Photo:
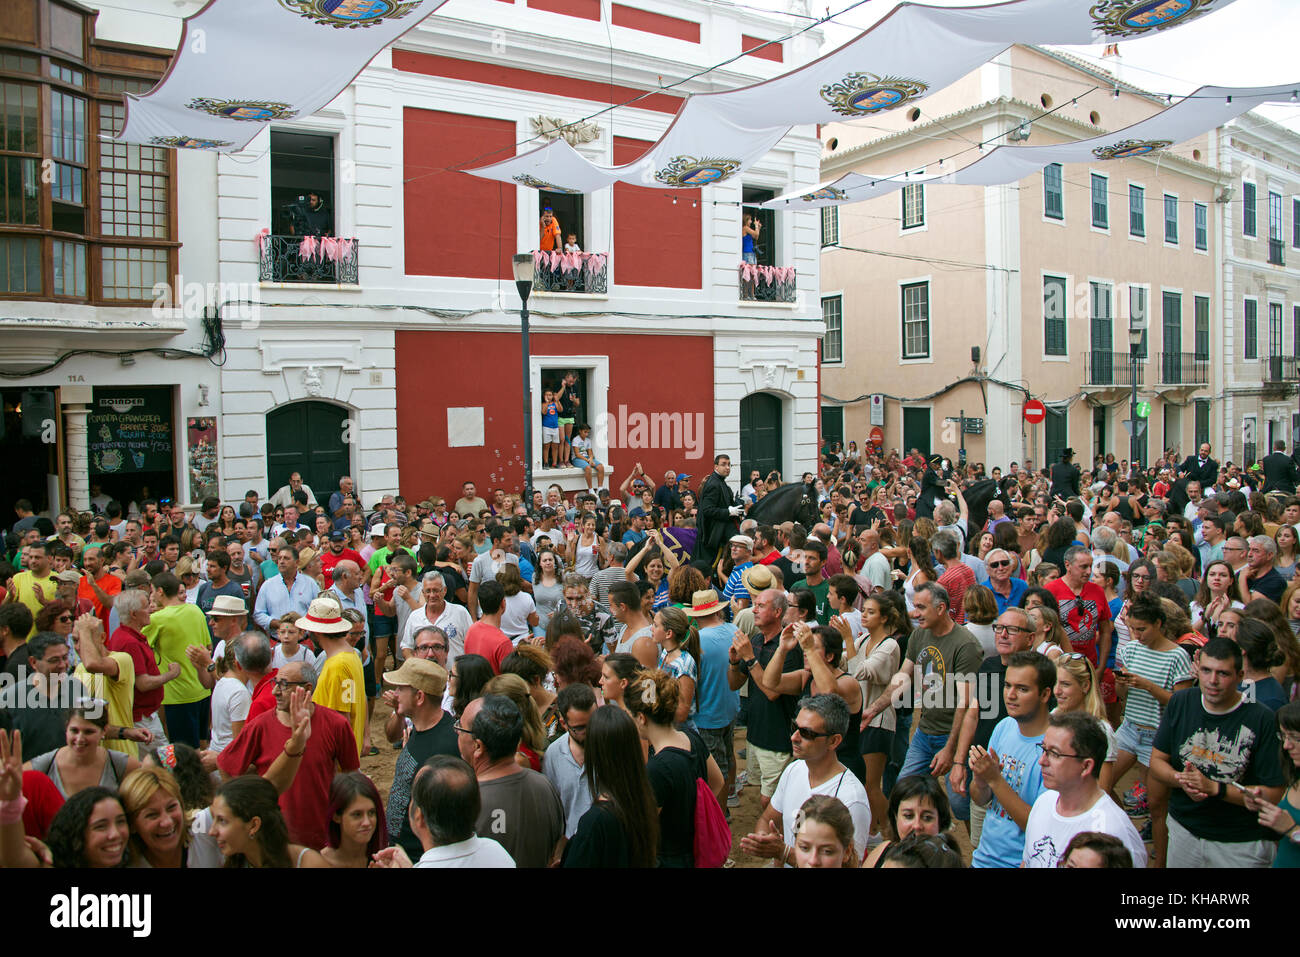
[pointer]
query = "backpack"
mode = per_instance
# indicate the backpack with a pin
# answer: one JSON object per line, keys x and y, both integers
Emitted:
{"x": 712, "y": 833}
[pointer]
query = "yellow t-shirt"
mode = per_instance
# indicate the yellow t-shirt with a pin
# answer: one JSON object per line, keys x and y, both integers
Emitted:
{"x": 23, "y": 583}
{"x": 119, "y": 692}
{"x": 342, "y": 687}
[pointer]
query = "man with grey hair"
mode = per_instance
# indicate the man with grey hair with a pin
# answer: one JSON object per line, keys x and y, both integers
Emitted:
{"x": 818, "y": 729}
{"x": 615, "y": 572}
{"x": 134, "y": 608}
{"x": 297, "y": 747}
{"x": 957, "y": 576}
{"x": 453, "y": 619}
{"x": 1235, "y": 553}
{"x": 1084, "y": 610}
{"x": 1104, "y": 539}
{"x": 1115, "y": 522}
{"x": 1007, "y": 588}
{"x": 938, "y": 674}
{"x": 1262, "y": 579}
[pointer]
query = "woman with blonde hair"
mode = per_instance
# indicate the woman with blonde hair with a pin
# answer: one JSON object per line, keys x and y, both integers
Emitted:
{"x": 679, "y": 655}
{"x": 535, "y": 666}
{"x": 1077, "y": 689}
{"x": 1049, "y": 634}
{"x": 160, "y": 826}
{"x": 532, "y": 742}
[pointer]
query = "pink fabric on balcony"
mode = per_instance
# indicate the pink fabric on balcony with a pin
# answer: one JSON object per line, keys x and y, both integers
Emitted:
{"x": 767, "y": 275}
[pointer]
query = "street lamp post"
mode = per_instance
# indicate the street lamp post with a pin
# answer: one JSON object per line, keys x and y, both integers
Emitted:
{"x": 523, "y": 269}
{"x": 1134, "y": 343}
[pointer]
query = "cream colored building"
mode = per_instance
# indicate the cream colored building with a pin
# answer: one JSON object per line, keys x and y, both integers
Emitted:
{"x": 1042, "y": 276}
{"x": 1260, "y": 244}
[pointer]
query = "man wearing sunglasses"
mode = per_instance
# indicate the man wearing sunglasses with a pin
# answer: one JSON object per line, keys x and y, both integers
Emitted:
{"x": 817, "y": 731}
{"x": 1007, "y": 589}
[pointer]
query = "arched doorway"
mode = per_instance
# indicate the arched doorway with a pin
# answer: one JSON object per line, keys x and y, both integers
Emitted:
{"x": 760, "y": 435}
{"x": 308, "y": 438}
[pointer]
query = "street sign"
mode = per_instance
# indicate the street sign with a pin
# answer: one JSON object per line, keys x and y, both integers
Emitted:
{"x": 1128, "y": 426}
{"x": 878, "y": 410}
{"x": 1143, "y": 410}
{"x": 876, "y": 437}
{"x": 1035, "y": 411}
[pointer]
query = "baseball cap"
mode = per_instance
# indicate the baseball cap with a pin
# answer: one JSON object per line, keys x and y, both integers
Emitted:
{"x": 743, "y": 540}
{"x": 338, "y": 536}
{"x": 637, "y": 512}
{"x": 682, "y": 476}
{"x": 547, "y": 512}
{"x": 68, "y": 576}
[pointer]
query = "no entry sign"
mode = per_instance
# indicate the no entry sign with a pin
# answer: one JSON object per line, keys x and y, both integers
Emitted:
{"x": 877, "y": 436}
{"x": 1035, "y": 411}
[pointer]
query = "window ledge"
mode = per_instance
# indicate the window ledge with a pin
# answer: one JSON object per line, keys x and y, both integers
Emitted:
{"x": 337, "y": 287}
{"x": 579, "y": 296}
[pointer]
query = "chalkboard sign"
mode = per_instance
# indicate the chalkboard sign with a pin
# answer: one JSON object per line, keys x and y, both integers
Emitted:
{"x": 131, "y": 430}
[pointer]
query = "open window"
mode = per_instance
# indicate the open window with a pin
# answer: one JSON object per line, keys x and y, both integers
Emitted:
{"x": 765, "y": 247}
{"x": 569, "y": 212}
{"x": 303, "y": 205}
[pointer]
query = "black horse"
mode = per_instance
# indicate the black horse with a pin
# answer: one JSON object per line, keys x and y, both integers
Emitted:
{"x": 793, "y": 502}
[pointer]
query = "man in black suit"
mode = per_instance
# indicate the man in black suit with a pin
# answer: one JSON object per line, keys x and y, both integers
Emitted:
{"x": 1200, "y": 467}
{"x": 1065, "y": 476}
{"x": 933, "y": 487}
{"x": 1280, "y": 472}
{"x": 719, "y": 512}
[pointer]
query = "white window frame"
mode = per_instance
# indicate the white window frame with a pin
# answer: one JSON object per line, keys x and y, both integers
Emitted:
{"x": 928, "y": 358}
{"x": 1052, "y": 219}
{"x": 833, "y": 363}
{"x": 598, "y": 382}
{"x": 1164, "y": 221}
{"x": 834, "y": 215}
{"x": 1129, "y": 210}
{"x": 1105, "y": 178}
{"x": 923, "y": 225}
{"x": 1045, "y": 275}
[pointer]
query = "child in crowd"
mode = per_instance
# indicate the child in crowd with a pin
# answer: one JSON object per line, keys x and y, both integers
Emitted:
{"x": 550, "y": 430}
{"x": 586, "y": 459}
{"x": 291, "y": 646}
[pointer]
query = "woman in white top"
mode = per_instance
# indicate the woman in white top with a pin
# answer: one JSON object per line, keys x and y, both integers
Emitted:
{"x": 1076, "y": 690}
{"x": 922, "y": 570}
{"x": 519, "y": 613}
{"x": 230, "y": 700}
{"x": 873, "y": 662}
{"x": 981, "y": 608}
{"x": 1049, "y": 634}
{"x": 1220, "y": 590}
{"x": 584, "y": 549}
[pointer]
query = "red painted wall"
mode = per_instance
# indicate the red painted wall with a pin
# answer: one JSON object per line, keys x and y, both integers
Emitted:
{"x": 515, "y": 79}
{"x": 647, "y": 374}
{"x": 648, "y": 22}
{"x": 453, "y": 227}
{"x": 656, "y": 243}
{"x": 773, "y": 52}
{"x": 586, "y": 9}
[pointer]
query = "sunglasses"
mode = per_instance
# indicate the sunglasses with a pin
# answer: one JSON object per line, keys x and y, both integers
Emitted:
{"x": 808, "y": 734}
{"x": 1001, "y": 564}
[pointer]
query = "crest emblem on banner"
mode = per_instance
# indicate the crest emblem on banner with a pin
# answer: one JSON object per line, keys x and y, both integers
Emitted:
{"x": 826, "y": 192}
{"x": 861, "y": 94}
{"x": 350, "y": 13}
{"x": 251, "y": 111}
{"x": 1127, "y": 149}
{"x": 526, "y": 180}
{"x": 688, "y": 172}
{"x": 188, "y": 142}
{"x": 1133, "y": 18}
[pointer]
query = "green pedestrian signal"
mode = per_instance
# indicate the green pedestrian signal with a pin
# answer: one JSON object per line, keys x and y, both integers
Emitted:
{"x": 1144, "y": 410}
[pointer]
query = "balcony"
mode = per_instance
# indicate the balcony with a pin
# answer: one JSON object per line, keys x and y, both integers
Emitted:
{"x": 573, "y": 273}
{"x": 767, "y": 283}
{"x": 1281, "y": 369}
{"x": 314, "y": 259}
{"x": 1111, "y": 368}
{"x": 1275, "y": 256}
{"x": 1184, "y": 368}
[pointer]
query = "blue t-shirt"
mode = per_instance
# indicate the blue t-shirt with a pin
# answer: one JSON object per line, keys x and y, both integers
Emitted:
{"x": 683, "y": 666}
{"x": 717, "y": 704}
{"x": 550, "y": 416}
{"x": 1018, "y": 588}
{"x": 633, "y": 537}
{"x": 661, "y": 594}
{"x": 1002, "y": 842}
{"x": 1115, "y": 605}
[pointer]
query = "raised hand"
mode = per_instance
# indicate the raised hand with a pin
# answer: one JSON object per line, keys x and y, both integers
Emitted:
{"x": 11, "y": 766}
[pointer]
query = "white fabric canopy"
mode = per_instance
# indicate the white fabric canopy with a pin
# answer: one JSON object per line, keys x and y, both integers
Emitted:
{"x": 912, "y": 52}
{"x": 244, "y": 63}
{"x": 1205, "y": 109}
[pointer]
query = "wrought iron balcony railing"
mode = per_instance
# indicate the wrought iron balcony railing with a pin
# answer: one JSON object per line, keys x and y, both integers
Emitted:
{"x": 571, "y": 272}
{"x": 1184, "y": 368}
{"x": 1111, "y": 368}
{"x": 323, "y": 259}
{"x": 767, "y": 283}
{"x": 1282, "y": 368}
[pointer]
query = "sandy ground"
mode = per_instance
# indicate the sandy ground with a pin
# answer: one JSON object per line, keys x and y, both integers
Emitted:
{"x": 380, "y": 769}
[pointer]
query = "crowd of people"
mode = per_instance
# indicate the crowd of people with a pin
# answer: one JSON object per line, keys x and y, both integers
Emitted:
{"x": 930, "y": 667}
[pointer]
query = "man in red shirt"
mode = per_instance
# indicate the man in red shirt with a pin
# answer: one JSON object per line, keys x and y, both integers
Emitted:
{"x": 765, "y": 550}
{"x": 134, "y": 608}
{"x": 1085, "y": 612}
{"x": 98, "y": 586}
{"x": 303, "y": 771}
{"x": 485, "y": 636}
{"x": 957, "y": 576}
{"x": 335, "y": 553}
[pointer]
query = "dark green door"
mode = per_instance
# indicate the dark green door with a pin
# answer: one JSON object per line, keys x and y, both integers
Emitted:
{"x": 760, "y": 434}
{"x": 916, "y": 431}
{"x": 833, "y": 425}
{"x": 308, "y": 438}
{"x": 1056, "y": 429}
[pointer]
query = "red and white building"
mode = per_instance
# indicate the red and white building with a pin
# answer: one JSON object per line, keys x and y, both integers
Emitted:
{"x": 400, "y": 364}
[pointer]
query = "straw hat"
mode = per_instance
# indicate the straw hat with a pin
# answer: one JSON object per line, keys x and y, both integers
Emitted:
{"x": 228, "y": 606}
{"x": 704, "y": 603}
{"x": 324, "y": 617}
{"x": 757, "y": 578}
